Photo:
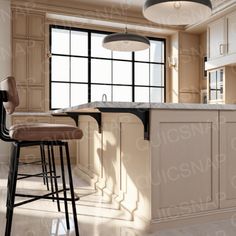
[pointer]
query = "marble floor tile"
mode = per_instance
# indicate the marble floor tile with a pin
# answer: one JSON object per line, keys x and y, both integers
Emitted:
{"x": 96, "y": 216}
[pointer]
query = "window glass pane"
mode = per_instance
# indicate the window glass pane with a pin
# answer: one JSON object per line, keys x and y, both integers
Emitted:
{"x": 60, "y": 95}
{"x": 157, "y": 75}
{"x": 101, "y": 71}
{"x": 60, "y": 41}
{"x": 141, "y": 94}
{"x": 97, "y": 50}
{"x": 122, "y": 72}
{"x": 213, "y": 80}
{"x": 79, "y": 69}
{"x": 122, "y": 93}
{"x": 142, "y": 55}
{"x": 157, "y": 51}
{"x": 141, "y": 73}
{"x": 60, "y": 68}
{"x": 79, "y": 94}
{"x": 122, "y": 55}
{"x": 157, "y": 94}
{"x": 97, "y": 92}
{"x": 79, "y": 43}
{"x": 213, "y": 95}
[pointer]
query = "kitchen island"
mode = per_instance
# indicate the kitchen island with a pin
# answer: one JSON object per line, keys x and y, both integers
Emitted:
{"x": 164, "y": 164}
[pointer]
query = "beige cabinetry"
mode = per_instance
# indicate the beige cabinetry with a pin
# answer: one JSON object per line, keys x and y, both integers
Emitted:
{"x": 31, "y": 153}
{"x": 221, "y": 42}
{"x": 184, "y": 148}
{"x": 29, "y": 59}
{"x": 227, "y": 159}
{"x": 186, "y": 73}
{"x": 221, "y": 85}
{"x": 217, "y": 39}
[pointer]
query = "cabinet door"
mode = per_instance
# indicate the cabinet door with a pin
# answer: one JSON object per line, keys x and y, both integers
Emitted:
{"x": 184, "y": 152}
{"x": 22, "y": 91}
{"x": 20, "y": 51}
{"x": 36, "y": 63}
{"x": 231, "y": 22}
{"x": 36, "y": 26}
{"x": 228, "y": 160}
{"x": 36, "y": 99}
{"x": 19, "y": 24}
{"x": 216, "y": 39}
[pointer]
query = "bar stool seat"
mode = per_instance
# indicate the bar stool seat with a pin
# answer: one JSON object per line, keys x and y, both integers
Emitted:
{"x": 44, "y": 132}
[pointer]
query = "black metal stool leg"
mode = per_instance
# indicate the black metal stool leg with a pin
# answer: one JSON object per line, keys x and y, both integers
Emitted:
{"x": 55, "y": 177}
{"x": 12, "y": 187}
{"x": 64, "y": 187}
{"x": 50, "y": 170}
{"x": 44, "y": 165}
{"x": 72, "y": 190}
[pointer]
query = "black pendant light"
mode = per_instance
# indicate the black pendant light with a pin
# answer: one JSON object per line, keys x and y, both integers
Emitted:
{"x": 126, "y": 42}
{"x": 171, "y": 12}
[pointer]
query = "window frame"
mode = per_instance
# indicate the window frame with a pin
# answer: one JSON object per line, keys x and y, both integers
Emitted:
{"x": 89, "y": 57}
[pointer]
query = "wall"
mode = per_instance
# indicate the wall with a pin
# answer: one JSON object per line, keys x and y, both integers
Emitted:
{"x": 5, "y": 57}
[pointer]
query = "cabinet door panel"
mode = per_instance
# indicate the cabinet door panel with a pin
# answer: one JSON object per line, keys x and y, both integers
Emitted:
{"x": 36, "y": 26}
{"x": 36, "y": 98}
{"x": 22, "y": 91}
{"x": 228, "y": 160}
{"x": 184, "y": 162}
{"x": 19, "y": 24}
{"x": 231, "y": 21}
{"x": 36, "y": 62}
{"x": 216, "y": 38}
{"x": 20, "y": 48}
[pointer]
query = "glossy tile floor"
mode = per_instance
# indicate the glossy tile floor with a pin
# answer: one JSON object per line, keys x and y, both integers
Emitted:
{"x": 97, "y": 217}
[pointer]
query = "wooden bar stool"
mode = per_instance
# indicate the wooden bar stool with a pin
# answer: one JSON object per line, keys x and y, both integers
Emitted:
{"x": 50, "y": 135}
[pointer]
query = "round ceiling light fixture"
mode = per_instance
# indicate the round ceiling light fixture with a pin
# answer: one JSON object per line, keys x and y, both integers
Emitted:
{"x": 169, "y": 12}
{"x": 125, "y": 42}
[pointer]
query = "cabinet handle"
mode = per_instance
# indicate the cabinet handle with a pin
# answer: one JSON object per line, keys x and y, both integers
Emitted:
{"x": 221, "y": 49}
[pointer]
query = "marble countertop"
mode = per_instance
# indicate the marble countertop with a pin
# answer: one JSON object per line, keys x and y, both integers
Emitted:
{"x": 94, "y": 106}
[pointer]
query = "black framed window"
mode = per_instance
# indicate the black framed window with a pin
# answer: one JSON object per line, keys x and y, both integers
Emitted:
{"x": 216, "y": 84}
{"x": 81, "y": 70}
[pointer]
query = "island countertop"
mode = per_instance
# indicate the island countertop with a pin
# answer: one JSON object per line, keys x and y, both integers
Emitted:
{"x": 95, "y": 106}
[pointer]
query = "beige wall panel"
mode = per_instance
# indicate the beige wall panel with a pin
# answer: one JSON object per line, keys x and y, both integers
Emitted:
{"x": 228, "y": 160}
{"x": 189, "y": 98}
{"x": 36, "y": 62}
{"x": 189, "y": 73}
{"x": 20, "y": 48}
{"x": 83, "y": 146}
{"x": 36, "y": 26}
{"x": 189, "y": 44}
{"x": 111, "y": 155}
{"x": 184, "y": 159}
{"x": 135, "y": 168}
{"x": 19, "y": 24}
{"x": 22, "y": 91}
{"x": 95, "y": 149}
{"x": 36, "y": 99}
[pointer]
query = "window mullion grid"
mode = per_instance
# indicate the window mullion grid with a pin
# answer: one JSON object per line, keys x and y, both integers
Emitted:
{"x": 133, "y": 77}
{"x": 70, "y": 94}
{"x": 112, "y": 70}
{"x": 89, "y": 66}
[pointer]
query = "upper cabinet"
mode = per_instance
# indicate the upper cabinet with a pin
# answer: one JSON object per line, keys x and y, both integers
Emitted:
{"x": 231, "y": 33}
{"x": 221, "y": 42}
{"x": 217, "y": 39}
{"x": 28, "y": 25}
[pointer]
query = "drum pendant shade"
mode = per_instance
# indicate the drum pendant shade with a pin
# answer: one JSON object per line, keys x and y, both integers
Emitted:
{"x": 177, "y": 12}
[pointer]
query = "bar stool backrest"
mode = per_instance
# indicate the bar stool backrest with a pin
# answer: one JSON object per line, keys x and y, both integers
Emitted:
{"x": 9, "y": 100}
{"x": 12, "y": 99}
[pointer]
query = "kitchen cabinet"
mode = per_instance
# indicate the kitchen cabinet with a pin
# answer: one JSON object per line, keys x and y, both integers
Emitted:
{"x": 227, "y": 159}
{"x": 221, "y": 85}
{"x": 221, "y": 42}
{"x": 29, "y": 59}
{"x": 217, "y": 39}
